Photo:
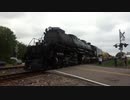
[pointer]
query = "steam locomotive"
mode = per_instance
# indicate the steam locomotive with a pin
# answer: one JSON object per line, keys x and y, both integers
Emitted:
{"x": 58, "y": 49}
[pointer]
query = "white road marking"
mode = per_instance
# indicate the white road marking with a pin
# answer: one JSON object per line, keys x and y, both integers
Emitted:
{"x": 99, "y": 83}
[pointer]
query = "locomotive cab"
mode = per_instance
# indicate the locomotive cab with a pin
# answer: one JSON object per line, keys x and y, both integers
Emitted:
{"x": 35, "y": 57}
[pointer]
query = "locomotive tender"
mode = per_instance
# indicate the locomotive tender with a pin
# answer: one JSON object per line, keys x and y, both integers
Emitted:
{"x": 59, "y": 49}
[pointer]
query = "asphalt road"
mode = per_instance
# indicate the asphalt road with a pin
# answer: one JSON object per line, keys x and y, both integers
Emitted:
{"x": 110, "y": 76}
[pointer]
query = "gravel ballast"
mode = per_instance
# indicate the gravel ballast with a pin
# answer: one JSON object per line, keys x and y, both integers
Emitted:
{"x": 48, "y": 79}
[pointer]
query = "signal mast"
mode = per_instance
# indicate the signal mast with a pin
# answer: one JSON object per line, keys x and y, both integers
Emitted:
{"x": 120, "y": 45}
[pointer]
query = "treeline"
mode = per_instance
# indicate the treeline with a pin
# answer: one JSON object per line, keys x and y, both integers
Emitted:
{"x": 9, "y": 46}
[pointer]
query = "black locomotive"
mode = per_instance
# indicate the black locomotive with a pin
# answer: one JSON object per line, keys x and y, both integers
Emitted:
{"x": 58, "y": 49}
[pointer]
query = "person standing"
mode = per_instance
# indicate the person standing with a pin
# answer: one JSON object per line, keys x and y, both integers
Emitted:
{"x": 100, "y": 59}
{"x": 125, "y": 61}
{"x": 115, "y": 59}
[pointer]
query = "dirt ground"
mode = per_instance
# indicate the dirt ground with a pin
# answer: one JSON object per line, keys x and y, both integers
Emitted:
{"x": 49, "y": 79}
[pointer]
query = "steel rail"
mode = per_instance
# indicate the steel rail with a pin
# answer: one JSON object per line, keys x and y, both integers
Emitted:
{"x": 19, "y": 75}
{"x": 15, "y": 67}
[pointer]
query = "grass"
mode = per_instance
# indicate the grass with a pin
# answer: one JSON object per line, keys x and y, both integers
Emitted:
{"x": 128, "y": 62}
{"x": 111, "y": 63}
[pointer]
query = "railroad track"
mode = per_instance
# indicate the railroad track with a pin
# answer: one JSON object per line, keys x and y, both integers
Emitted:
{"x": 24, "y": 74}
{"x": 15, "y": 76}
{"x": 81, "y": 78}
{"x": 11, "y": 70}
{"x": 15, "y": 67}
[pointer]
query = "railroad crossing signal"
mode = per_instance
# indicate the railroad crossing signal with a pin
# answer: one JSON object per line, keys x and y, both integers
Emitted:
{"x": 116, "y": 45}
{"x": 120, "y": 45}
{"x": 121, "y": 38}
{"x": 125, "y": 45}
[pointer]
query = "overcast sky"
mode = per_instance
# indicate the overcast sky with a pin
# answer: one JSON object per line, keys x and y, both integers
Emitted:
{"x": 99, "y": 28}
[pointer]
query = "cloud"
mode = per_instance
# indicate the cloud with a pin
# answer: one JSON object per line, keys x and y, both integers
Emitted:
{"x": 10, "y": 15}
{"x": 99, "y": 28}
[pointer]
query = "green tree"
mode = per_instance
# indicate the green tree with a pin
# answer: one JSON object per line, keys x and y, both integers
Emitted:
{"x": 7, "y": 43}
{"x": 21, "y": 50}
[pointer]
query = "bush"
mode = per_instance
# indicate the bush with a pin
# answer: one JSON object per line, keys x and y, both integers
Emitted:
{"x": 13, "y": 62}
{"x": 128, "y": 62}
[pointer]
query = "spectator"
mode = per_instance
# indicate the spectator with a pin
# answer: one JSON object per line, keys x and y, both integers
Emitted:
{"x": 100, "y": 59}
{"x": 115, "y": 59}
{"x": 125, "y": 61}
